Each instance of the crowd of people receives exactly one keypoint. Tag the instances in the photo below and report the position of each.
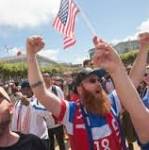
(93, 107)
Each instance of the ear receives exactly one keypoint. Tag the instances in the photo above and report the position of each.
(79, 89)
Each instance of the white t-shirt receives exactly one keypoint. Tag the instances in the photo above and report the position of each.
(36, 114)
(38, 125)
(21, 118)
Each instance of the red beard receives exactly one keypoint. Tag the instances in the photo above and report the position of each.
(98, 105)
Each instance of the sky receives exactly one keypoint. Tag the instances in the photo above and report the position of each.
(112, 20)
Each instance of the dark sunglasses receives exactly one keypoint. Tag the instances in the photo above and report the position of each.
(93, 80)
(146, 74)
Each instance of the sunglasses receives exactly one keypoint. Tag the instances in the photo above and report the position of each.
(93, 80)
(146, 74)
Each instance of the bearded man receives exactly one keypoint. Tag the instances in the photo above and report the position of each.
(91, 123)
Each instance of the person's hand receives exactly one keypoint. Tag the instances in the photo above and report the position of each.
(143, 40)
(34, 44)
(105, 56)
(24, 99)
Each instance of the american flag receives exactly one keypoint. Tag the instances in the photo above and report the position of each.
(65, 21)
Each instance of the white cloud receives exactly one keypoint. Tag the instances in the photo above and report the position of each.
(13, 51)
(115, 41)
(7, 51)
(144, 27)
(27, 13)
(128, 38)
(50, 53)
(79, 60)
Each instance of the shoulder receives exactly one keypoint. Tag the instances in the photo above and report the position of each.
(37, 106)
(33, 141)
(67, 111)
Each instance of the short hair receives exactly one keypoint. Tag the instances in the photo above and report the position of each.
(86, 62)
(25, 84)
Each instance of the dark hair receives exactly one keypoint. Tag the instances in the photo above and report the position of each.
(86, 62)
(25, 84)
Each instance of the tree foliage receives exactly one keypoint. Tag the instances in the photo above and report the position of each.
(15, 71)
(129, 57)
(18, 71)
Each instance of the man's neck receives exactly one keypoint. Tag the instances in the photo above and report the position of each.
(8, 139)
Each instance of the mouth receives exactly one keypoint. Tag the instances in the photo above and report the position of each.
(98, 91)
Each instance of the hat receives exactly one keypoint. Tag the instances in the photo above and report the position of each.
(86, 72)
(4, 94)
(25, 84)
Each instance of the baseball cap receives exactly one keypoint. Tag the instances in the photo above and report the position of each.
(4, 94)
(86, 72)
(25, 84)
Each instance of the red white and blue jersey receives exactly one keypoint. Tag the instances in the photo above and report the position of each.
(146, 98)
(105, 130)
(146, 103)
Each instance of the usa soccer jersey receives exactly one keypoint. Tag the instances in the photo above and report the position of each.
(146, 103)
(146, 98)
(105, 136)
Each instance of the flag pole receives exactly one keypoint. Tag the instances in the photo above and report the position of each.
(86, 20)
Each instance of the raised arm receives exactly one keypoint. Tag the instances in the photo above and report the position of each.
(106, 57)
(49, 100)
(138, 69)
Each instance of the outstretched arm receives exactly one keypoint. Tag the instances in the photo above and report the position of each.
(106, 57)
(138, 69)
(49, 100)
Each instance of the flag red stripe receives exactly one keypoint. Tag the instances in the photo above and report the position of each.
(71, 19)
(65, 21)
(69, 43)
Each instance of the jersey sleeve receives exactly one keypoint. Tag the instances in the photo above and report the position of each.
(67, 115)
